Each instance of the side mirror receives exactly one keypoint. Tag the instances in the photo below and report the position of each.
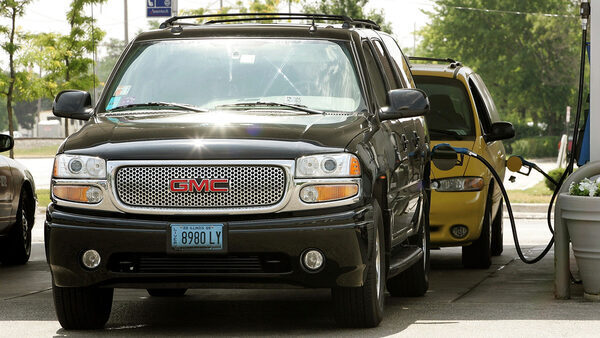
(500, 131)
(6, 142)
(405, 102)
(444, 157)
(73, 104)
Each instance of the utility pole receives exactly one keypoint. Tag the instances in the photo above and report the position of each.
(221, 4)
(290, 6)
(126, 24)
(414, 51)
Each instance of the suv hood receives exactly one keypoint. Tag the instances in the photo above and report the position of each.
(214, 135)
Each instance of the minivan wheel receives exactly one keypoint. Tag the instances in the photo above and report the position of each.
(363, 306)
(15, 249)
(166, 292)
(478, 255)
(498, 232)
(82, 308)
(414, 281)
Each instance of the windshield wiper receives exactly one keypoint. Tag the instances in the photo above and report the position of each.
(447, 132)
(272, 104)
(160, 104)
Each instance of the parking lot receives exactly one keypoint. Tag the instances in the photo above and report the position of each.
(509, 299)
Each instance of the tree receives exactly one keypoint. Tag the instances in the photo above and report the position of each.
(352, 8)
(65, 59)
(525, 59)
(254, 6)
(11, 9)
(114, 48)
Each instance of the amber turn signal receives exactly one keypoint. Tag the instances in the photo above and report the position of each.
(77, 193)
(328, 192)
(354, 167)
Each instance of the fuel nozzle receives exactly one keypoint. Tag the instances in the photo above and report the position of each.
(516, 163)
(584, 12)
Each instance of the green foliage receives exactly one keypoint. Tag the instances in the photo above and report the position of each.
(4, 115)
(585, 187)
(535, 147)
(527, 60)
(255, 6)
(66, 59)
(556, 174)
(11, 9)
(352, 8)
(105, 65)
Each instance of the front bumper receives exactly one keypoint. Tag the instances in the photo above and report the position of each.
(452, 208)
(261, 252)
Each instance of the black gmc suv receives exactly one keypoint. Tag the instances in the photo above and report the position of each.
(245, 154)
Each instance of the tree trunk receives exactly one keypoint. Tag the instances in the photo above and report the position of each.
(11, 82)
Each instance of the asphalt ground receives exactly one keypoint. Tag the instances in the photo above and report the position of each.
(510, 299)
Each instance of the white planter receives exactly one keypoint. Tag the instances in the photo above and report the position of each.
(581, 214)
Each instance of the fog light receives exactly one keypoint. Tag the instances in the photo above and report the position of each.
(459, 231)
(94, 195)
(312, 260)
(90, 259)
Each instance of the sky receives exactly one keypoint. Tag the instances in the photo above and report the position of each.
(49, 16)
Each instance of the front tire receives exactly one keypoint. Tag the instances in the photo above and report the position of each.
(363, 306)
(478, 255)
(414, 281)
(82, 308)
(498, 232)
(15, 249)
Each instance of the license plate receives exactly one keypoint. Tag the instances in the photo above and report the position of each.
(197, 236)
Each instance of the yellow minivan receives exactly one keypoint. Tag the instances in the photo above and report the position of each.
(466, 203)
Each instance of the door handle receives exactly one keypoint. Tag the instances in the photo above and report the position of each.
(417, 139)
(404, 142)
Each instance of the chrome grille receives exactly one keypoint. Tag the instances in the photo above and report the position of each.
(249, 186)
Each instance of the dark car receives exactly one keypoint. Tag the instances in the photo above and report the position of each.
(17, 208)
(255, 155)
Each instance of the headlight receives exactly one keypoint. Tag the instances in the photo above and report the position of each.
(458, 184)
(78, 166)
(328, 165)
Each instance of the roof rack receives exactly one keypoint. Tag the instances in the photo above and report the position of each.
(347, 21)
(453, 63)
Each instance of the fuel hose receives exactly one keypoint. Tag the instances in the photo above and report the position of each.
(585, 10)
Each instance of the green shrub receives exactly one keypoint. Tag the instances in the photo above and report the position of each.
(556, 175)
(535, 147)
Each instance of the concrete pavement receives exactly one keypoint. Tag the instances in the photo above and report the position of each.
(41, 170)
(508, 299)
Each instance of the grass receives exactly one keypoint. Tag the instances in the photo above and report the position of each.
(43, 196)
(539, 193)
(41, 151)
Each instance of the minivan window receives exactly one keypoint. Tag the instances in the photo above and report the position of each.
(451, 115)
(208, 73)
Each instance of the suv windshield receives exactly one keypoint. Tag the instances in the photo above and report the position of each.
(451, 115)
(210, 73)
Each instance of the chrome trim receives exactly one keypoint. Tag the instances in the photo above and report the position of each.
(113, 166)
(105, 204)
(290, 202)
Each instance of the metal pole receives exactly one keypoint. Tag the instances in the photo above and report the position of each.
(126, 23)
(221, 4)
(595, 82)
(414, 52)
